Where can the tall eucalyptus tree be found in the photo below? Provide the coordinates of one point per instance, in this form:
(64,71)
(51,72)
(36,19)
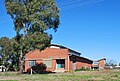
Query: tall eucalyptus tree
(32,19)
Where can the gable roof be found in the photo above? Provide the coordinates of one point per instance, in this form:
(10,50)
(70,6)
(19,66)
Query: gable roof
(99,60)
(63,47)
(102,59)
(86,59)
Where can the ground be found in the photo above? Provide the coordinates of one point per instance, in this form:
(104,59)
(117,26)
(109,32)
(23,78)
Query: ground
(107,75)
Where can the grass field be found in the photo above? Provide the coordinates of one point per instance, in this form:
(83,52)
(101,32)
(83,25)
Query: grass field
(111,75)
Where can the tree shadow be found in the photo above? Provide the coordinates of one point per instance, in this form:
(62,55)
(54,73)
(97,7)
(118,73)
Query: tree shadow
(39,68)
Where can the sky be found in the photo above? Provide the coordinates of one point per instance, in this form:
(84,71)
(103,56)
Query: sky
(91,27)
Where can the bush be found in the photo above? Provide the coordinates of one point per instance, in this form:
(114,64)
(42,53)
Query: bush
(87,69)
(83,69)
(39,69)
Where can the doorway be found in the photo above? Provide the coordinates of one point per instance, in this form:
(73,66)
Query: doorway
(60,63)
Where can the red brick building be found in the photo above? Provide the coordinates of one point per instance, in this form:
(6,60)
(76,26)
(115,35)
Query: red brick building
(57,58)
(99,64)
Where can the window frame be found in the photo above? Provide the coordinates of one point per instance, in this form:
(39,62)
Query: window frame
(49,62)
(34,63)
(60,63)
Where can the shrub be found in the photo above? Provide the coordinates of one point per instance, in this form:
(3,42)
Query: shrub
(87,69)
(39,67)
(83,69)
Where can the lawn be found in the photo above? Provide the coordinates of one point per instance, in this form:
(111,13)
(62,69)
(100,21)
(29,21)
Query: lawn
(109,75)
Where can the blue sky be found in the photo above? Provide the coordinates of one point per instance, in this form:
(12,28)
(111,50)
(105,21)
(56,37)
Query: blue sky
(92,29)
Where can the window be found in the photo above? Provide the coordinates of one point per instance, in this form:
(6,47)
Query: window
(48,63)
(95,62)
(32,63)
(60,63)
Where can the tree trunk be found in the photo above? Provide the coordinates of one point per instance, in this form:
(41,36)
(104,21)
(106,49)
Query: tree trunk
(18,62)
(22,55)
(21,63)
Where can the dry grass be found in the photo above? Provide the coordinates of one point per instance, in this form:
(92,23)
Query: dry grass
(111,75)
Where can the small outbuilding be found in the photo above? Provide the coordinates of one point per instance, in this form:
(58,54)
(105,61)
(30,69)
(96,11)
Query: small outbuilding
(2,68)
(99,64)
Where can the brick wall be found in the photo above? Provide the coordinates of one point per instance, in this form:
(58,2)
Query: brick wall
(80,62)
(101,64)
(53,54)
(48,53)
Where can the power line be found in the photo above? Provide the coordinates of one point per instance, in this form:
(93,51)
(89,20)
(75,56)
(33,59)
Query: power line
(66,1)
(70,2)
(80,4)
(75,2)
(70,5)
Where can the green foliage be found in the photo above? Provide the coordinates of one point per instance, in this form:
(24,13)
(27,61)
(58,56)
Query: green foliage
(5,49)
(39,69)
(9,56)
(16,68)
(32,19)
(5,46)
(83,69)
(87,69)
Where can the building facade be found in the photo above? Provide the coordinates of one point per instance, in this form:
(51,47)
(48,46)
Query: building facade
(57,58)
(99,64)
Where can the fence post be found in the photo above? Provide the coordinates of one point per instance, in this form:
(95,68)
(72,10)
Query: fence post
(31,71)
